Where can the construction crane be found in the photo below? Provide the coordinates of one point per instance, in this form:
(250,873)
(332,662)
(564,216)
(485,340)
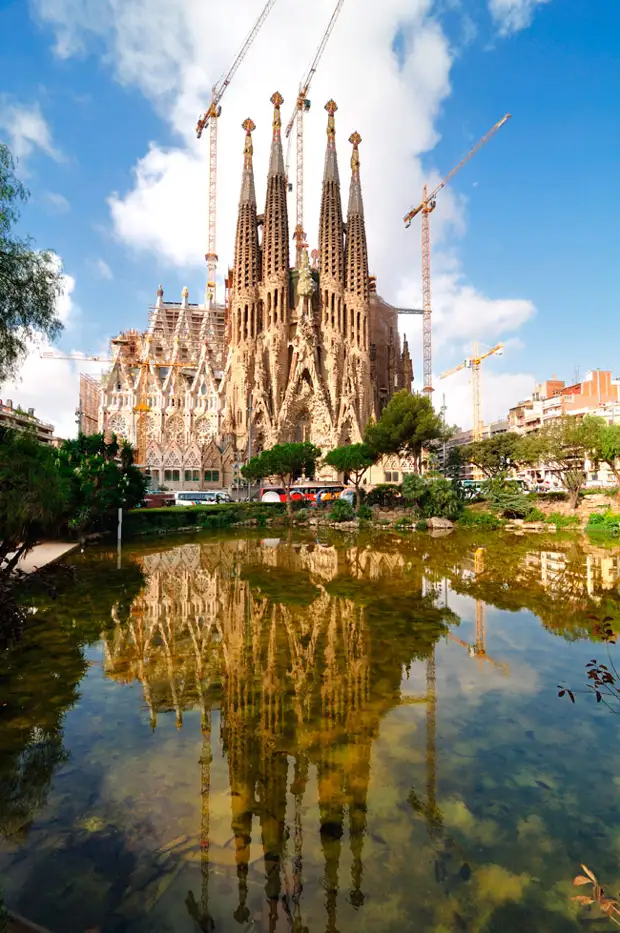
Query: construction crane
(142,407)
(479,649)
(473,363)
(426,207)
(302,105)
(210,119)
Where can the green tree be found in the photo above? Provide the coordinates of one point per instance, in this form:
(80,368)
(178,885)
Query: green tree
(407,424)
(102,478)
(433,498)
(285,461)
(354,460)
(493,455)
(33,495)
(30,279)
(605,443)
(561,446)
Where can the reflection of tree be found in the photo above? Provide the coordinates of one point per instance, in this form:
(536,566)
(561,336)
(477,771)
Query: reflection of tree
(40,677)
(303,667)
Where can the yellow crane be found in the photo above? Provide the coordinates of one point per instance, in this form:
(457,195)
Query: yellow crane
(302,105)
(210,119)
(473,363)
(426,208)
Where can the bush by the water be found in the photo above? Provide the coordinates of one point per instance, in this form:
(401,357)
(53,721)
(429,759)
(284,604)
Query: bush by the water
(433,498)
(364,512)
(535,515)
(342,511)
(157,521)
(562,521)
(506,498)
(604,523)
(386,495)
(484,520)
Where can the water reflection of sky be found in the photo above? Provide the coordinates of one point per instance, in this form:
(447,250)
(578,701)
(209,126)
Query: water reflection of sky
(346,737)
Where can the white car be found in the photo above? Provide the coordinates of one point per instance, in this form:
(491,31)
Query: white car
(209,497)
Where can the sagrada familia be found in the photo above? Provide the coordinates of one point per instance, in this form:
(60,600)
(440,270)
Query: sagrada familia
(304,353)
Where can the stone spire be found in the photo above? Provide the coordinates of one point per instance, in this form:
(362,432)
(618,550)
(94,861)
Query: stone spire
(331,230)
(356,265)
(246,273)
(275,230)
(406,366)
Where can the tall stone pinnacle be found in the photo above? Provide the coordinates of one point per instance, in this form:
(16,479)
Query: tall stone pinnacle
(331,230)
(247,254)
(275,230)
(356,264)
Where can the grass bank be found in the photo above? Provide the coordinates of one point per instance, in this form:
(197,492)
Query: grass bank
(168,520)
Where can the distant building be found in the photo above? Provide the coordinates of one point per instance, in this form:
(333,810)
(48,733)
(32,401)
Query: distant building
(460,439)
(20,420)
(88,411)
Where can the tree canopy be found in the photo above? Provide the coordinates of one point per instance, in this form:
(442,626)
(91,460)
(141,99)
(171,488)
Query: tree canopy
(605,444)
(352,459)
(33,495)
(286,461)
(98,483)
(493,455)
(562,445)
(407,424)
(30,279)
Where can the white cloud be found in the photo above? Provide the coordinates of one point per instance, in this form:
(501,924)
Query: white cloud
(51,387)
(26,128)
(173,52)
(511,16)
(57,203)
(498,393)
(102,269)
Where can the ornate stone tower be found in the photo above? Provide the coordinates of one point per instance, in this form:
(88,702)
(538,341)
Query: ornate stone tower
(331,269)
(356,403)
(245,308)
(275,273)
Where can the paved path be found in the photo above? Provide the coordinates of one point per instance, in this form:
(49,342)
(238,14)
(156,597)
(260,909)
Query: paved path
(45,553)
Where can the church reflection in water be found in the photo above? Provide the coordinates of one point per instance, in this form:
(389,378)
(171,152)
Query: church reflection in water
(289,644)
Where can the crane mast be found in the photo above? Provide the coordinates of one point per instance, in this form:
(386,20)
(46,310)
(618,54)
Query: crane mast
(210,118)
(473,363)
(426,208)
(302,104)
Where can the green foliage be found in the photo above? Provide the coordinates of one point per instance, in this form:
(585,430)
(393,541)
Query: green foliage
(493,455)
(486,521)
(169,519)
(421,526)
(604,523)
(287,462)
(33,495)
(30,279)
(562,521)
(407,424)
(437,498)
(301,516)
(364,512)
(605,442)
(562,445)
(342,511)
(535,515)
(386,495)
(506,498)
(353,460)
(98,483)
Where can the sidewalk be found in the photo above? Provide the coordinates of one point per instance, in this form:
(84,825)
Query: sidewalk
(45,553)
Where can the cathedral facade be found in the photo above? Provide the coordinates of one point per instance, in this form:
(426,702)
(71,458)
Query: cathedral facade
(304,353)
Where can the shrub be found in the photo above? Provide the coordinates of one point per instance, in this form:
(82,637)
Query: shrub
(301,516)
(421,526)
(506,498)
(482,520)
(341,511)
(404,523)
(606,523)
(561,521)
(174,518)
(438,498)
(364,512)
(386,495)
(535,515)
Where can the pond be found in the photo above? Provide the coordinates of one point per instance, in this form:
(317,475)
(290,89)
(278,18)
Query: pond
(342,734)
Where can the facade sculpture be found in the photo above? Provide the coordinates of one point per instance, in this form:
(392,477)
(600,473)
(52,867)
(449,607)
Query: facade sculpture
(295,354)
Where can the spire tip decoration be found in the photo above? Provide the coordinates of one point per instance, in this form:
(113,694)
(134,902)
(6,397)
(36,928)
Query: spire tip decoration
(248,151)
(355,139)
(277,100)
(331,106)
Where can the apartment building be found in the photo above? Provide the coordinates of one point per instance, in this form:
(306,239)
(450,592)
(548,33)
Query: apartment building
(19,420)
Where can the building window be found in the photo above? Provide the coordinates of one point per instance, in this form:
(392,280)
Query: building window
(391,477)
(171,475)
(195,476)
(212,476)
(188,476)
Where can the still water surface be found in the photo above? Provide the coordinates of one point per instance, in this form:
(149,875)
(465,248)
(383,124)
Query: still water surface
(249,733)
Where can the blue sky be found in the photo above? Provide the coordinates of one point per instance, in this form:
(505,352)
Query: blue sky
(100,101)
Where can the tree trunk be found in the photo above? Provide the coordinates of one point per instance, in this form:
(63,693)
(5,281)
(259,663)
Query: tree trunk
(573,497)
(19,553)
(289,504)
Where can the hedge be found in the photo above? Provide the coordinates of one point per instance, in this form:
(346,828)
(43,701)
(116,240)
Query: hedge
(175,518)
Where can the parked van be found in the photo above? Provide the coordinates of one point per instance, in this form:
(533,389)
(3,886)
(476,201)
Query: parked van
(197,497)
